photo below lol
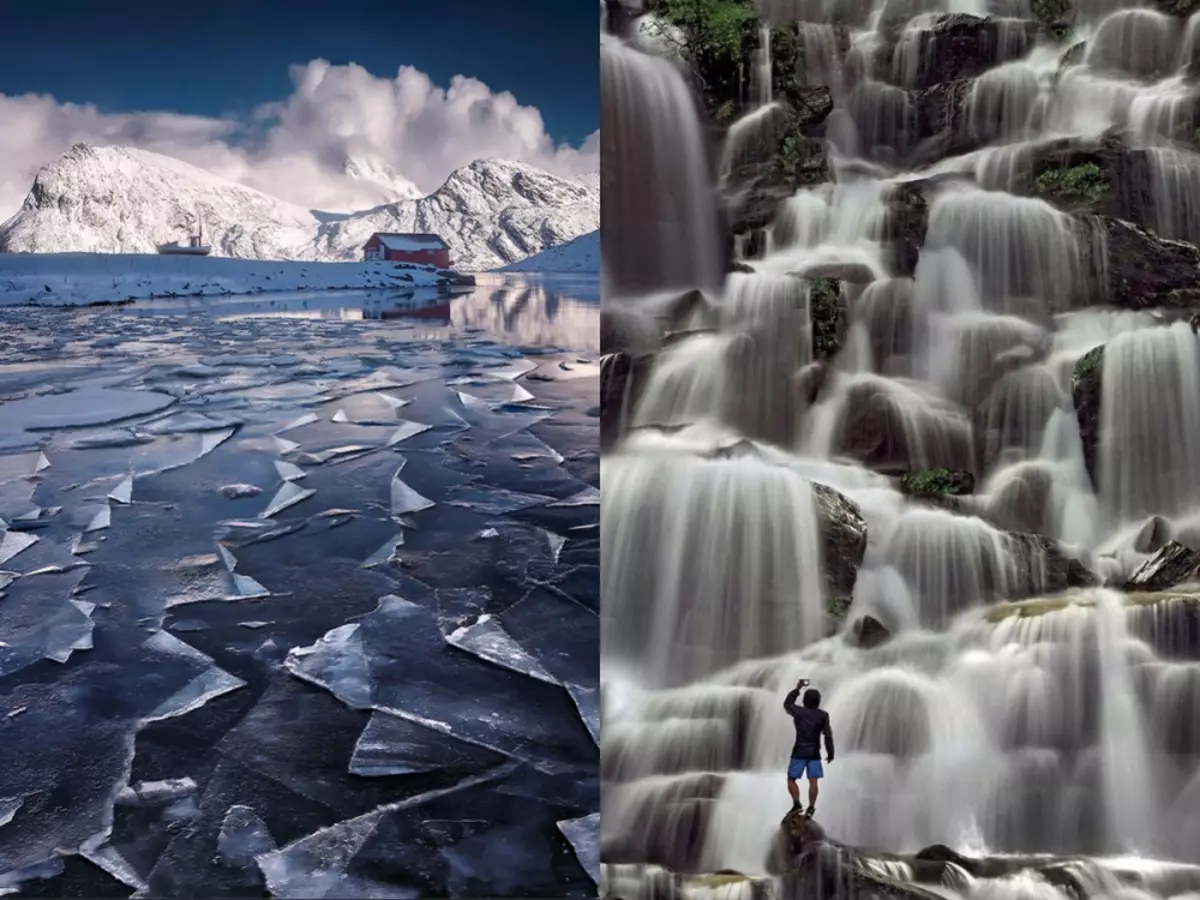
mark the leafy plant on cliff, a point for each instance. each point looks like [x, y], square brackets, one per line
[1049, 11]
[1078, 184]
[837, 607]
[1089, 364]
[713, 29]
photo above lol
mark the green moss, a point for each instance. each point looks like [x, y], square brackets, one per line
[1089, 364]
[837, 607]
[720, 879]
[1078, 184]
[932, 481]
[724, 113]
[825, 302]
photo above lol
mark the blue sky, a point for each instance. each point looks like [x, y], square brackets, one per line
[219, 57]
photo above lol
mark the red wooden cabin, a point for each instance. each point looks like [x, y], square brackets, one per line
[425, 249]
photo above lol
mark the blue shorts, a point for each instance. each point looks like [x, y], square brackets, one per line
[797, 768]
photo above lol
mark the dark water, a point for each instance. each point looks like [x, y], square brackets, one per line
[393, 679]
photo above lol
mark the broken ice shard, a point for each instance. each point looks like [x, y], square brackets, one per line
[243, 836]
[287, 496]
[583, 834]
[289, 471]
[338, 663]
[14, 542]
[405, 431]
[587, 701]
[390, 745]
[384, 554]
[123, 492]
[488, 640]
[405, 500]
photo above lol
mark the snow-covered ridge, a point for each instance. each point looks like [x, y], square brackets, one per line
[123, 200]
[77, 279]
[580, 255]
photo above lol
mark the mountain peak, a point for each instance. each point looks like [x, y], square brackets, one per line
[115, 199]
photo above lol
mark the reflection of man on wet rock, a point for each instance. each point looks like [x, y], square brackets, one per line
[811, 723]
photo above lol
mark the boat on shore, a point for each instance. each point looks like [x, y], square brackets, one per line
[194, 247]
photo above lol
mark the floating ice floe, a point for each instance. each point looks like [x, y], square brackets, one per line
[406, 430]
[488, 640]
[583, 835]
[289, 471]
[285, 498]
[209, 681]
[14, 542]
[123, 492]
[243, 836]
[384, 554]
[589, 496]
[391, 745]
[306, 419]
[405, 500]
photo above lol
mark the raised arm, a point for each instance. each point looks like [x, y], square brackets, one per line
[789, 702]
[827, 731]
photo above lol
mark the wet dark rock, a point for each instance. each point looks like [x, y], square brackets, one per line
[868, 633]
[938, 482]
[1145, 271]
[872, 430]
[1073, 56]
[1044, 568]
[851, 273]
[756, 190]
[1085, 391]
[1173, 565]
[1154, 535]
[961, 46]
[843, 539]
[902, 228]
[688, 309]
[808, 382]
[622, 378]
[941, 123]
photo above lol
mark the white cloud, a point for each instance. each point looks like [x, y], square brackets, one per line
[295, 148]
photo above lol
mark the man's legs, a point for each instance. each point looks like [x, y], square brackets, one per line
[794, 790]
[813, 790]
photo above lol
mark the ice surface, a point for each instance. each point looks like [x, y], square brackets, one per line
[285, 498]
[89, 406]
[488, 640]
[390, 745]
[584, 837]
[129, 704]
[243, 837]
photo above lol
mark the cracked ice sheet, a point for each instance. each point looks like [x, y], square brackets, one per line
[584, 837]
[396, 660]
[470, 840]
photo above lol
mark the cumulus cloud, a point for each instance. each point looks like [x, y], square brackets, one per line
[296, 148]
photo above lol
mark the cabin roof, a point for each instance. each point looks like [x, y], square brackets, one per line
[397, 241]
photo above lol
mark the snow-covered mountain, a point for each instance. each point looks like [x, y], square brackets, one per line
[122, 200]
[379, 176]
[581, 255]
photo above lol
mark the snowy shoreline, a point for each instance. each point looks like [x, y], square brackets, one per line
[86, 279]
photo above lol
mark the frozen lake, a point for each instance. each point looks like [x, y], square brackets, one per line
[299, 593]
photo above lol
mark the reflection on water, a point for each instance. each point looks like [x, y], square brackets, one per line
[542, 311]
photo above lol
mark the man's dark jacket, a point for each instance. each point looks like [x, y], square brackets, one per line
[810, 725]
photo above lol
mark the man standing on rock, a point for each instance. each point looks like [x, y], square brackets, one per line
[811, 722]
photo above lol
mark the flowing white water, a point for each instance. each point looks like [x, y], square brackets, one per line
[1061, 725]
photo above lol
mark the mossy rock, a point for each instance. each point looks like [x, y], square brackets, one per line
[838, 607]
[1073, 187]
[938, 482]
[829, 313]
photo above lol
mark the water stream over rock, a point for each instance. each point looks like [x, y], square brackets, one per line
[917, 444]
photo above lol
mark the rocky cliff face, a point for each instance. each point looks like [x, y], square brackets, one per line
[123, 200]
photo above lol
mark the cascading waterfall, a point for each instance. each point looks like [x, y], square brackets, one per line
[1014, 700]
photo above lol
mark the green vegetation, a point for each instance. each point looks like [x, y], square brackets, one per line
[934, 481]
[720, 879]
[723, 114]
[710, 29]
[1078, 184]
[828, 317]
[1089, 364]
[837, 607]
[800, 161]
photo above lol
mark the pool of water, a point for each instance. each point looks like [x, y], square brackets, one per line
[299, 593]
